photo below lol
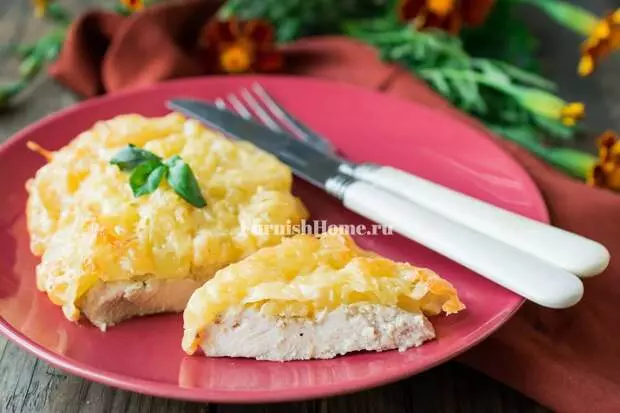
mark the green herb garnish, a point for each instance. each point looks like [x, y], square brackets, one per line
[130, 157]
[146, 177]
[149, 170]
[182, 180]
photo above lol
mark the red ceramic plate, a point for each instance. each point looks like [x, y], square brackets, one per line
[144, 354]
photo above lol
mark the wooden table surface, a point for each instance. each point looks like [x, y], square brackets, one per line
[29, 385]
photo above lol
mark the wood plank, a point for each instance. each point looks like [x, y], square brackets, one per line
[29, 385]
[448, 388]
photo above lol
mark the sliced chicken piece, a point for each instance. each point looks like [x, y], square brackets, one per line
[109, 303]
[245, 332]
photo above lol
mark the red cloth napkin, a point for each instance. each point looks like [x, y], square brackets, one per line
[568, 360]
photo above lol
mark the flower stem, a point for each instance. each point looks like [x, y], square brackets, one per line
[574, 162]
[569, 15]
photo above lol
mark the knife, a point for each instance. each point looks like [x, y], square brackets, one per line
[574, 253]
[512, 268]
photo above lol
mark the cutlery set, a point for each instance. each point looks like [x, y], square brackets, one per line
[537, 261]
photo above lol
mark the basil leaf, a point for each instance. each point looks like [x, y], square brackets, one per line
[182, 180]
[146, 177]
[130, 157]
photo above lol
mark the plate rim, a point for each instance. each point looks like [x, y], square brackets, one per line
[205, 395]
[174, 391]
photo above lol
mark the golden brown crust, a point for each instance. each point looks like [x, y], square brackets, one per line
[90, 230]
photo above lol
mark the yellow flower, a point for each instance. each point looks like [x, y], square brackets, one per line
[604, 39]
[572, 112]
[606, 172]
[40, 6]
[602, 35]
[133, 5]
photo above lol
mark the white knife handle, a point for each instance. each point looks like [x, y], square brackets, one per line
[507, 266]
[572, 252]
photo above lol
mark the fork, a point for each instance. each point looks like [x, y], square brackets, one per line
[574, 253]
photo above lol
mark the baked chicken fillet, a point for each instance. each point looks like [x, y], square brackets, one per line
[314, 298]
[110, 256]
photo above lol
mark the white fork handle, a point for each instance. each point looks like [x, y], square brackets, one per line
[566, 250]
[507, 266]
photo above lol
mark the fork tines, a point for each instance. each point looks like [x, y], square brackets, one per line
[255, 102]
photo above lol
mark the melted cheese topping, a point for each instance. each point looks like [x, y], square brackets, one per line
[86, 224]
[305, 276]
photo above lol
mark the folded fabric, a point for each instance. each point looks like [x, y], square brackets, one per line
[568, 360]
[105, 51]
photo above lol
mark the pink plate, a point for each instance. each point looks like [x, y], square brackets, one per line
[144, 355]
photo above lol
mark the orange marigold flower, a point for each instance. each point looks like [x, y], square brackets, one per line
[133, 5]
[603, 40]
[606, 172]
[448, 15]
[242, 46]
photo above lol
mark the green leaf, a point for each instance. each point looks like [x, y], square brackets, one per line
[554, 128]
[148, 170]
[121, 9]
[146, 177]
[30, 66]
[49, 46]
[469, 95]
[438, 82]
[9, 91]
[525, 77]
[299, 18]
[130, 157]
[24, 50]
[57, 13]
[504, 35]
[182, 180]
[288, 30]
[491, 71]
[523, 135]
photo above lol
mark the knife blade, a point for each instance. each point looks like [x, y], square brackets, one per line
[308, 163]
[516, 270]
